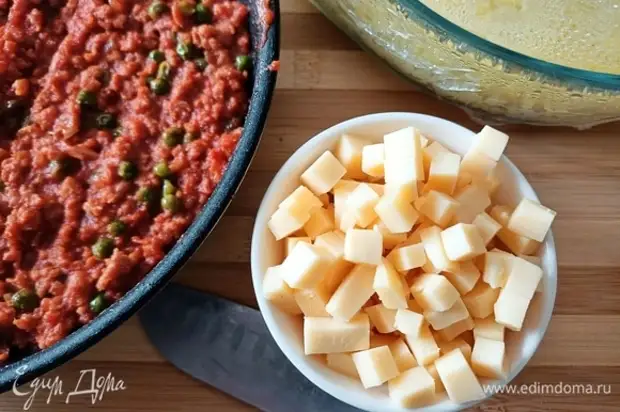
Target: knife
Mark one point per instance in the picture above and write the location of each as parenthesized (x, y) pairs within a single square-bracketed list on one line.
[(228, 346)]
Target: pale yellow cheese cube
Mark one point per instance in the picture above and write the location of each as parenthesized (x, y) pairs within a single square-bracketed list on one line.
[(443, 173), (363, 246), (349, 153), (381, 318), (458, 343), (456, 329), (407, 257), (305, 267), (480, 300), (290, 243), (352, 293), (434, 248), (477, 164), (487, 358), (412, 388), (441, 320), (531, 219), (389, 286), (406, 192), (361, 203), (430, 152), (423, 346), (462, 242), (434, 292), (341, 192), (523, 278), (300, 202), (333, 243), (375, 366), (321, 221), (465, 278), (403, 156), (342, 363), (312, 301), (438, 207), (536, 260), (323, 174), (473, 200), (510, 310), (458, 378), (373, 159), (432, 370), (402, 355), (396, 212), (283, 224), (278, 292), (463, 180), (519, 245), (490, 142), (329, 335), (489, 329), (496, 265), (390, 240), (487, 226), (408, 322)]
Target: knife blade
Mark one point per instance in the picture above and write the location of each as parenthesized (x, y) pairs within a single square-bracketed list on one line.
[(228, 346)]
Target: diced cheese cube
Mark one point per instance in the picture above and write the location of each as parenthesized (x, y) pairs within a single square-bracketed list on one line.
[(352, 294), (430, 152), (458, 343), (441, 320), (403, 156), (434, 292), (373, 159), (424, 347), (408, 322), (396, 212), (323, 174), (531, 219), (432, 370), (379, 339), (510, 310), (363, 246), (381, 318), (477, 164), (375, 366), (282, 223), (443, 173), (489, 329), (389, 286), (349, 153), (321, 221), (480, 300), (342, 191), (343, 363), (465, 278), (487, 358), (463, 180), (438, 207), (462, 242), (312, 301), (305, 267), (496, 266), (408, 192), (361, 203), (333, 243), (490, 142), (458, 378), (456, 329), (390, 240), (487, 227), (519, 245), (473, 200), (536, 260), (415, 387), (407, 257), (523, 278), (278, 292), (402, 355), (290, 243), (300, 202), (435, 252), (329, 335)]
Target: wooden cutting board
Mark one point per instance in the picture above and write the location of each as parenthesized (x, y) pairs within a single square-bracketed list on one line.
[(325, 78)]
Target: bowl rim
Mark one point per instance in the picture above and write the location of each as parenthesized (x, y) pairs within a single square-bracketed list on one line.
[(267, 309), (264, 80)]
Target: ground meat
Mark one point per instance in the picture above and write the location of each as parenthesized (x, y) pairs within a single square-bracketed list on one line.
[(64, 175)]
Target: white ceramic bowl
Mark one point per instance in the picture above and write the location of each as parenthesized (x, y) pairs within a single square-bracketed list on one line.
[(287, 330)]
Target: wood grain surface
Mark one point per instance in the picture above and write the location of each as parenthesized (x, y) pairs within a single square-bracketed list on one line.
[(325, 78)]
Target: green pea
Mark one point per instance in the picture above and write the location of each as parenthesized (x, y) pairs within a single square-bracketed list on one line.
[(145, 195), (170, 203), (159, 86), (86, 98), (201, 64), (186, 8), (190, 137), (25, 299), (127, 170), (243, 62), (156, 9), (117, 227), (98, 304), (157, 56), (103, 248), (163, 71), (106, 121), (202, 14), (161, 169), (168, 188), (185, 50), (173, 136)]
